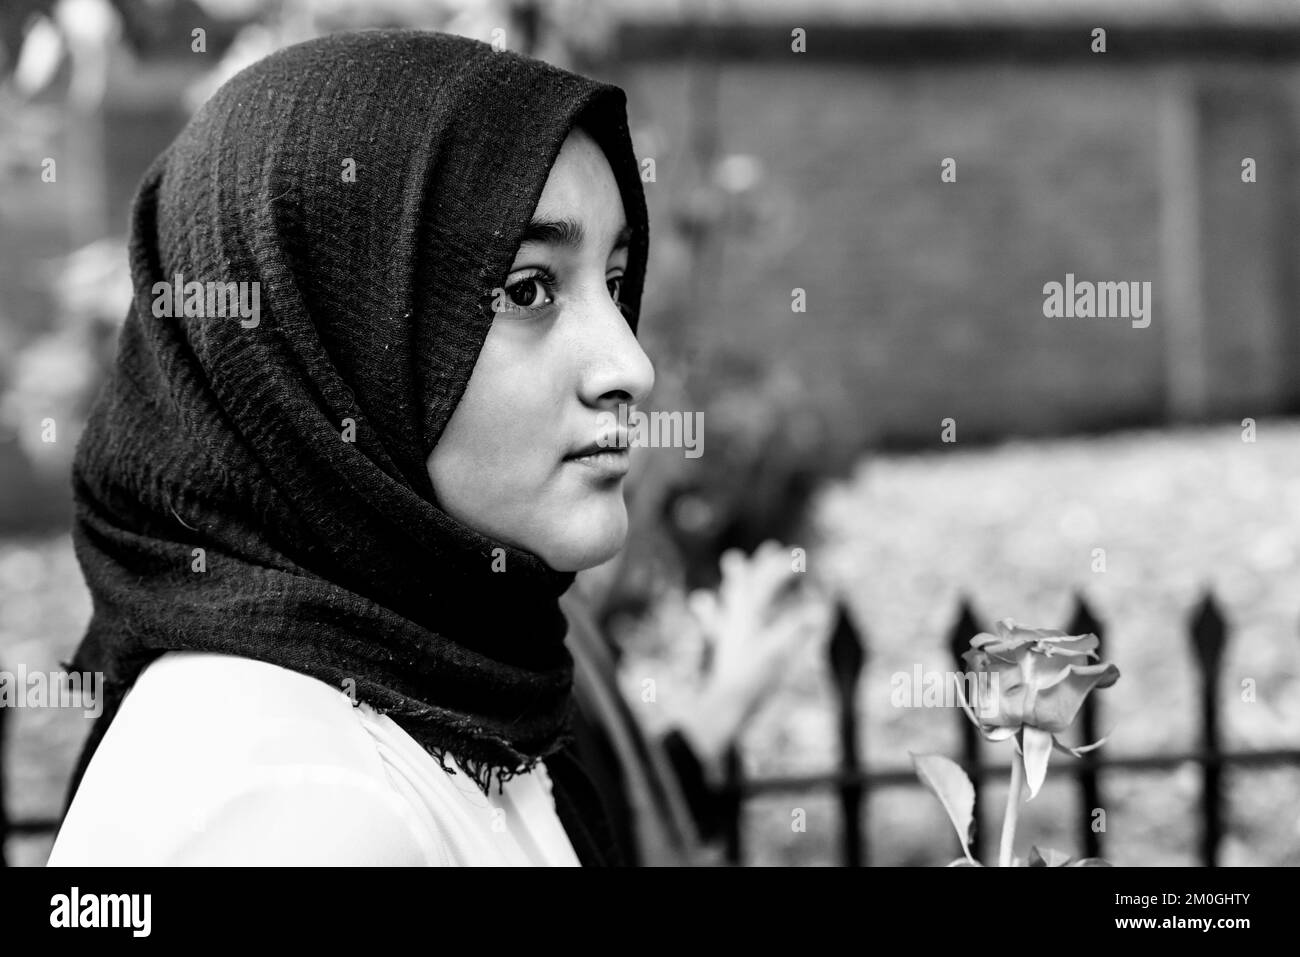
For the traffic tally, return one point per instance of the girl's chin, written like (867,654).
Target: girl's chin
(591,540)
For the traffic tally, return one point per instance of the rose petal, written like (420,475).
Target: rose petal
(1058,701)
(1048,634)
(1106,673)
(1068,651)
(1000,695)
(1010,697)
(1021,633)
(1008,651)
(970,713)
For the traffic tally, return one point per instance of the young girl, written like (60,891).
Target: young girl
(350,456)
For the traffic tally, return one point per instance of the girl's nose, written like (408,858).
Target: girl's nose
(618,370)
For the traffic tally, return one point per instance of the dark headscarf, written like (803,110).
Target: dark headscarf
(326,556)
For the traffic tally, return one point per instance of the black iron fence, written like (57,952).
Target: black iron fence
(852,782)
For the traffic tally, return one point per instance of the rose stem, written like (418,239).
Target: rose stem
(1013,811)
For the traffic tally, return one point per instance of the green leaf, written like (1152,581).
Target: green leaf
(1091,862)
(953,789)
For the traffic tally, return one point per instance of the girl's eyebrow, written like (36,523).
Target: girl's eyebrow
(567,231)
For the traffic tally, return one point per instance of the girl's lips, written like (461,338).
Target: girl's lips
(607,462)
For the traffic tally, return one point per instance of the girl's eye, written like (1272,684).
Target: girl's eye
(531,292)
(538,291)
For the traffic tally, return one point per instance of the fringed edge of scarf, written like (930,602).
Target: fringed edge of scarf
(481,755)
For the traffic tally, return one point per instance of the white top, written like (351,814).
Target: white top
(215,759)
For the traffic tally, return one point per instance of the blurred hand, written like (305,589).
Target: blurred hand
(762,613)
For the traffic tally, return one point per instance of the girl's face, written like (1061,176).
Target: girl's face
(558,360)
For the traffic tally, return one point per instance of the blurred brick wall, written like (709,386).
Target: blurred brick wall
(925,298)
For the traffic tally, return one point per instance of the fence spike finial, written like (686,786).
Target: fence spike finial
(847,650)
(848,656)
(1083,621)
(1209,632)
(964,628)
